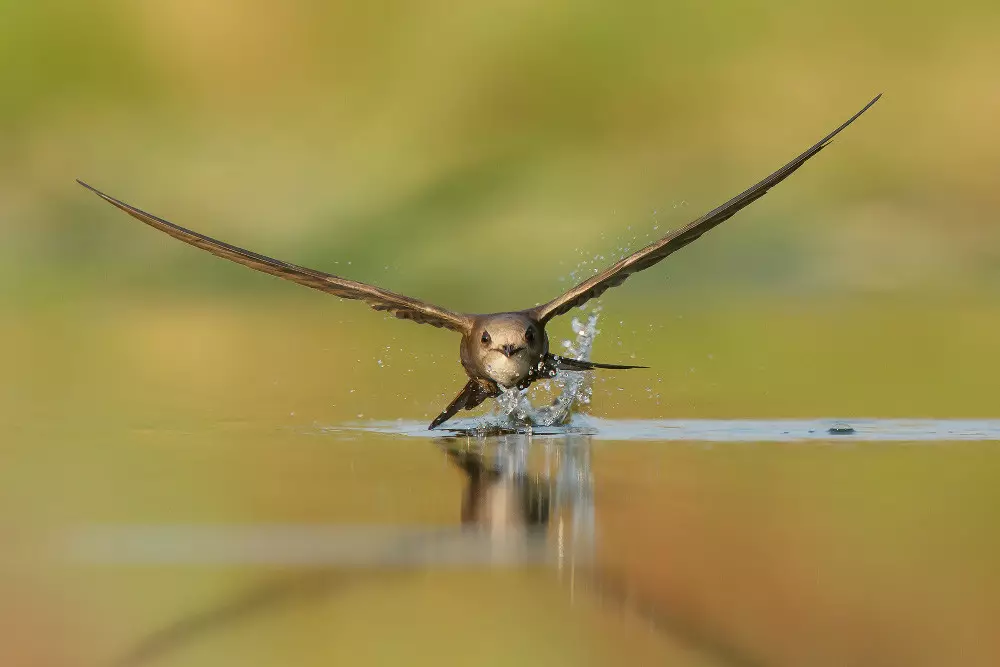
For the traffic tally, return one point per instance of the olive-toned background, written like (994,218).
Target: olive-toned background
(483,156)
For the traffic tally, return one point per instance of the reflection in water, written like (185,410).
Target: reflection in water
(515,490)
(525,499)
(548,510)
(511,514)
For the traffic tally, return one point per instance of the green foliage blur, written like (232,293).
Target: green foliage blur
(483,155)
(475,155)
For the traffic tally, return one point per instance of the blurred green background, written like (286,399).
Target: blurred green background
(480,155)
(477,156)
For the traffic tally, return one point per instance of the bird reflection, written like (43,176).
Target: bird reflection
(524,500)
(497,502)
(509,498)
(506,510)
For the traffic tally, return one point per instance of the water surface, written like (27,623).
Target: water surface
(200,489)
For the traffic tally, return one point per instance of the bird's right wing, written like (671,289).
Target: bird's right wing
(656,252)
(401,306)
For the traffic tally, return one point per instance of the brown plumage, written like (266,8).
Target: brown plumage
(500,350)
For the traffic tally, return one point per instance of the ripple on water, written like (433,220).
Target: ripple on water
(711,430)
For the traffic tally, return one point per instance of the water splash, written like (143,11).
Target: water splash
(551,402)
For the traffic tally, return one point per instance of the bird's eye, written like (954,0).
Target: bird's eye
(529,335)
(486,338)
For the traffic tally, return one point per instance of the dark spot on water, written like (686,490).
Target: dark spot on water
(841,428)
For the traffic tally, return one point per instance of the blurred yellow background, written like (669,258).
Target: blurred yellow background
(477,155)
(480,155)
(412,138)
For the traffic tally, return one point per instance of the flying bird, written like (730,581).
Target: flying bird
(499,351)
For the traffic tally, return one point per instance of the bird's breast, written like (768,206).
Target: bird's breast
(507,371)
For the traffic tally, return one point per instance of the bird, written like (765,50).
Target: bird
(498,351)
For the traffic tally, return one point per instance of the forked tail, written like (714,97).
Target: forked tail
(558,363)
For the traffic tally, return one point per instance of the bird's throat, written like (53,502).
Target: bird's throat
(507,371)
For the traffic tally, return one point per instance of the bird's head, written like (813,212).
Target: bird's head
(507,346)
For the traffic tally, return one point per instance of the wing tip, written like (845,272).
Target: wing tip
(440,419)
(830,137)
(870,104)
(97,192)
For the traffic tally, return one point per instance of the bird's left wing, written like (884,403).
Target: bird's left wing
(401,306)
(473,393)
(655,252)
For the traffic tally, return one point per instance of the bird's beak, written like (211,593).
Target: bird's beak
(509,350)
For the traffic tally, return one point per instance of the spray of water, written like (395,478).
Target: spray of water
(552,402)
